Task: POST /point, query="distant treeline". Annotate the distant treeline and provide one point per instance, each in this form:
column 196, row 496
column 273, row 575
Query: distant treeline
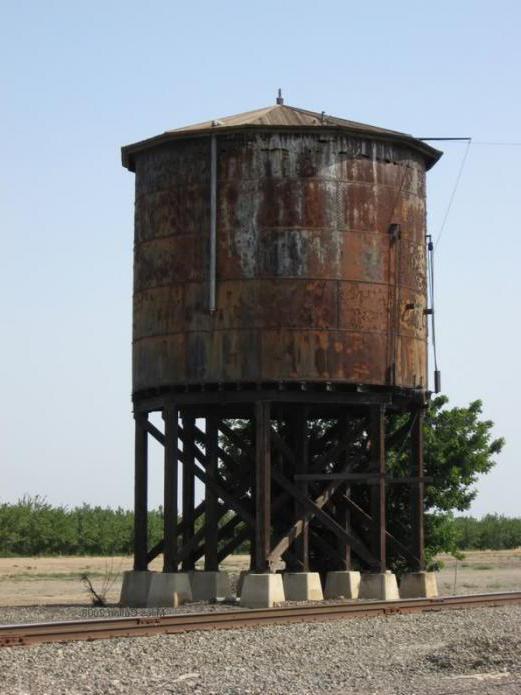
column 34, row 527
column 491, row 532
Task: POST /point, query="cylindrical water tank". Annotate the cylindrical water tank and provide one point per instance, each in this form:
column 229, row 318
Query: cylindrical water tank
column 320, row 264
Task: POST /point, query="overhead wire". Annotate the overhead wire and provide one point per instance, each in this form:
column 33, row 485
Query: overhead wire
column 453, row 193
column 433, row 245
column 500, row 144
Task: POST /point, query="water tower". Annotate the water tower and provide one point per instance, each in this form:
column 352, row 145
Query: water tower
column 279, row 282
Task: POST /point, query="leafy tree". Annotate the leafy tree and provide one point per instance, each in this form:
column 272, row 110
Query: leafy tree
column 458, row 447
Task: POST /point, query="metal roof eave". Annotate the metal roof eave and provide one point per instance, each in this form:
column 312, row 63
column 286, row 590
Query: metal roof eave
column 431, row 154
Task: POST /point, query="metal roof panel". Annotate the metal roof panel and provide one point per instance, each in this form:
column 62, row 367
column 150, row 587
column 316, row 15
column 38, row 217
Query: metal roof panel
column 279, row 116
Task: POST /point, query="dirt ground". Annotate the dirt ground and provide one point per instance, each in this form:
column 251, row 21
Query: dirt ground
column 28, row 581
column 31, row 581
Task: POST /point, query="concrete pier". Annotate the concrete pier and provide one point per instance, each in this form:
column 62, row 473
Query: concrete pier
column 169, row 589
column 240, row 581
column 380, row 586
column 342, row 584
column 419, row 585
column 262, row 590
column 134, row 590
column 302, row 586
column 209, row 585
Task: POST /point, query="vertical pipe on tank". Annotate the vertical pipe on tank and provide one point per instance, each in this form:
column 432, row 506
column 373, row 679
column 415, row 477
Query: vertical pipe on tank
column 213, row 222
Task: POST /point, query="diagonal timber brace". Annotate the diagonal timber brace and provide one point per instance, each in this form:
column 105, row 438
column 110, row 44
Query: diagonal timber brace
column 314, row 508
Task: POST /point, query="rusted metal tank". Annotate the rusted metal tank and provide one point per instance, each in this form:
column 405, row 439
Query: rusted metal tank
column 319, row 273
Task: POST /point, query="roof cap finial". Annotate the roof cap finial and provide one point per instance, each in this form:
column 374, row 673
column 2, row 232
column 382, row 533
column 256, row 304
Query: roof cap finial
column 280, row 100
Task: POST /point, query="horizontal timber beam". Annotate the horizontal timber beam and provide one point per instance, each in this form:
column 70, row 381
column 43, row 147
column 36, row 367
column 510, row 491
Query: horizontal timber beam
column 362, row 477
column 224, row 398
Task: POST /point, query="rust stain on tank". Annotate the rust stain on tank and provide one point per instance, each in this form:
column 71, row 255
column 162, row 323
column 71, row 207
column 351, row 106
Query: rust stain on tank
column 310, row 284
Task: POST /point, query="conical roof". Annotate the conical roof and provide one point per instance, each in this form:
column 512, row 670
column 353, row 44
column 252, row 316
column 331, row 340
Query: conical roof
column 280, row 117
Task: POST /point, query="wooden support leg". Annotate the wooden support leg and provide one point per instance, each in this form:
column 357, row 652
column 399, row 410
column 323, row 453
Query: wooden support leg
column 253, row 552
column 141, row 492
column 343, row 511
column 170, row 416
column 262, row 486
column 188, row 490
column 301, row 448
column 417, row 490
column 344, row 519
column 298, row 559
column 378, row 506
column 211, row 563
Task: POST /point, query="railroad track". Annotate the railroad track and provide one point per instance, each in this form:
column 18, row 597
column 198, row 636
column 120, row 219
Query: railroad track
column 141, row 626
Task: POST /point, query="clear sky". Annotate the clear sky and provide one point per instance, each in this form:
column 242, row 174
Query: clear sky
column 80, row 79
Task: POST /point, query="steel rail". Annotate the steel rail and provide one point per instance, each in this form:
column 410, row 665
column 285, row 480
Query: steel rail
column 146, row 625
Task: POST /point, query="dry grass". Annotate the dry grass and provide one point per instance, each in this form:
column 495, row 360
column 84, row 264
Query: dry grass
column 57, row 580
column 481, row 571
column 27, row 581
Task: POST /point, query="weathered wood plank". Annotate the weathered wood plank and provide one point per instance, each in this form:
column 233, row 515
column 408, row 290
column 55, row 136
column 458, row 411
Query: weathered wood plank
column 140, row 492
column 378, row 497
column 262, row 485
column 417, row 490
column 188, row 492
column 210, row 558
column 170, row 415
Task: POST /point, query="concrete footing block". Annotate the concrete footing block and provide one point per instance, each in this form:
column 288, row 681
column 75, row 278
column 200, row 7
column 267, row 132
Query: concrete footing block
column 169, row 589
column 262, row 590
column 342, row 584
column 134, row 590
column 380, row 586
column 419, row 585
column 302, row 586
column 209, row 585
column 240, row 581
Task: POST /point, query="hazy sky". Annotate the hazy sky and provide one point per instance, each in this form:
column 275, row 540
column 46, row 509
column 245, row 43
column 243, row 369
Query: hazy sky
column 80, row 79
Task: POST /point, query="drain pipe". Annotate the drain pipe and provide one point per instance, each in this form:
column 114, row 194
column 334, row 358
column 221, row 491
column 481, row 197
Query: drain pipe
column 213, row 223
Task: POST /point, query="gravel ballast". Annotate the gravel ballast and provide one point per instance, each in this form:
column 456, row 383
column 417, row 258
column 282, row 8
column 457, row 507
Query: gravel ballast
column 468, row 651
column 47, row 614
